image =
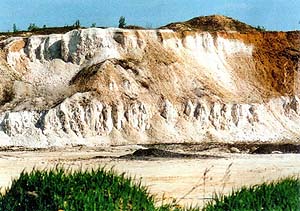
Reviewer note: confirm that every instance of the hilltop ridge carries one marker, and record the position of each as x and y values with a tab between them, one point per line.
212	23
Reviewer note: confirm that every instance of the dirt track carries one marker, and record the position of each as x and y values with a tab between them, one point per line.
175	178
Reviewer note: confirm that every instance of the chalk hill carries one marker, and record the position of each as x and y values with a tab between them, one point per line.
208	79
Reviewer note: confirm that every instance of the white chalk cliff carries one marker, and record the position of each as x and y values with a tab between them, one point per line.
123	86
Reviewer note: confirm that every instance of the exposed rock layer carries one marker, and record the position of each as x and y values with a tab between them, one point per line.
121	86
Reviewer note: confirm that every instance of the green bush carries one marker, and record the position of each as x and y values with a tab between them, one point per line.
32	27
261	28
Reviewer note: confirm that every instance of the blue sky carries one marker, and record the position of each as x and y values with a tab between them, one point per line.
272	14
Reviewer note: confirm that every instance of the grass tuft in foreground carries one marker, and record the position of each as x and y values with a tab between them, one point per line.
60	189
280	196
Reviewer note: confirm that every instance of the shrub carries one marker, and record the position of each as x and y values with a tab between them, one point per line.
261	28
32	27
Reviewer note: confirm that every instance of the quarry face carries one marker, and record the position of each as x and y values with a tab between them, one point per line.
210	86
123	86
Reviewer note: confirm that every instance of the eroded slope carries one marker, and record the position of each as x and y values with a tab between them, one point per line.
121	86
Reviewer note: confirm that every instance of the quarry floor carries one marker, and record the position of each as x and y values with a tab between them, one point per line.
187	180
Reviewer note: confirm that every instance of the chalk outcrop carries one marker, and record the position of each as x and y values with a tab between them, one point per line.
124	86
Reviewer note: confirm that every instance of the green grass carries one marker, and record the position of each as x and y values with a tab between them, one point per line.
60	189
75	191
283	195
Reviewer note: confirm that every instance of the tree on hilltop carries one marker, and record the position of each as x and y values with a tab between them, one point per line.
122	22
32	27
15	28
77	24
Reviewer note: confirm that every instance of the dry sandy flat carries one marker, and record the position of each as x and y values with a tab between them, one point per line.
175	178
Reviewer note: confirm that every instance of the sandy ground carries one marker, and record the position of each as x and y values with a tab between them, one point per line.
189	181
